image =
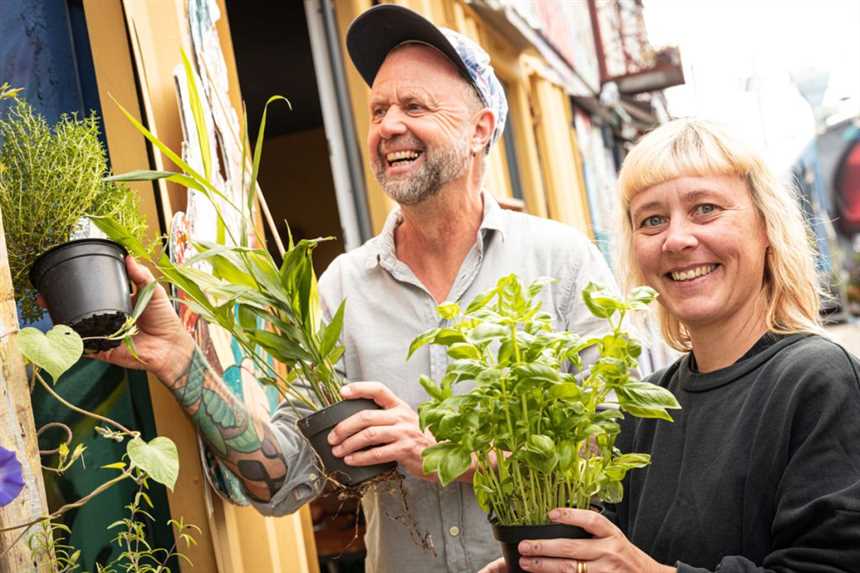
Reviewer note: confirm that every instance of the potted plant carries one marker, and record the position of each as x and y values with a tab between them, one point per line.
50	178
271	310
540	437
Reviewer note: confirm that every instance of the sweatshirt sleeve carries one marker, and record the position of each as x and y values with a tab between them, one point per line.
816	525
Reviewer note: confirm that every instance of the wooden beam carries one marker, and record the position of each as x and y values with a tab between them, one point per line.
18	434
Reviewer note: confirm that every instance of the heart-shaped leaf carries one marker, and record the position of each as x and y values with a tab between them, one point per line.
55	352
158	458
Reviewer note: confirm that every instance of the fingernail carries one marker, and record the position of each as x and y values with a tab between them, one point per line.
347	459
336	451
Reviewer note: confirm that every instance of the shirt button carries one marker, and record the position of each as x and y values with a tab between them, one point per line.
454	531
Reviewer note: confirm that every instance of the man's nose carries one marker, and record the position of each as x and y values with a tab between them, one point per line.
679	236
392	123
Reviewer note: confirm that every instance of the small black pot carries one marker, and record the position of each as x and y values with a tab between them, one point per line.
511	535
85	286
316	428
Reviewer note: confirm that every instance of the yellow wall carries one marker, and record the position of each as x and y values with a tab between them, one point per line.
233	539
544	137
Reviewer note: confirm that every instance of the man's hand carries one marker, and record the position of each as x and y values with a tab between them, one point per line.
378	436
163	344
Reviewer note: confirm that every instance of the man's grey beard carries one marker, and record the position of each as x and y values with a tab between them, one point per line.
438	168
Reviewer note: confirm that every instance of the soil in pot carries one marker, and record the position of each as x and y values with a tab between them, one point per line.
85	286
316	428
510	536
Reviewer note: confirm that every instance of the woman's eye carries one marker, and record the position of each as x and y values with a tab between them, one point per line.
706	208
652	221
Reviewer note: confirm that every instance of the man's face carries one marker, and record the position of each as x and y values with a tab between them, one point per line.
420	128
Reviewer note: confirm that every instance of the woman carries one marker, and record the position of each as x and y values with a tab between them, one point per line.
760	470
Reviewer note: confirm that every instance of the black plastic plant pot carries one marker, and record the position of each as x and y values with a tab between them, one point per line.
510	536
85	286
316	428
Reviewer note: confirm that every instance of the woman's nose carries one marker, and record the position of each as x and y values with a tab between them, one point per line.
679	236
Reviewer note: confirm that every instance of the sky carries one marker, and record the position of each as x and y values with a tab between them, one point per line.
742	59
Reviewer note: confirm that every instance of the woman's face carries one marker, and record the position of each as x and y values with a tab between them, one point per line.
700	243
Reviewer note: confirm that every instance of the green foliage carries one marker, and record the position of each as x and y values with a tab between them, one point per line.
137	555
49	179
47	544
56	351
270	310
158	458
541	437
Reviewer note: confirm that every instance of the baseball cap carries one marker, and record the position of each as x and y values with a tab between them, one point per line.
384	27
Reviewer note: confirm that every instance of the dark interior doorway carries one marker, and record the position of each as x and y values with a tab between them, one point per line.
273	56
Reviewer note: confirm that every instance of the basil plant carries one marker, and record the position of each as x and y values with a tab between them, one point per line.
540	435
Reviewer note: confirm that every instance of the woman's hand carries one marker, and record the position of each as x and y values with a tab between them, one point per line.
497	566
608	551
162	343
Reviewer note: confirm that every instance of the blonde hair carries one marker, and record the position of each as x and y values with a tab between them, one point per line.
689	147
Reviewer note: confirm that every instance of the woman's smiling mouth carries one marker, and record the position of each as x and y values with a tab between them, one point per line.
693	273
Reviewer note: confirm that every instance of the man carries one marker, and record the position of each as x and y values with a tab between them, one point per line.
436	110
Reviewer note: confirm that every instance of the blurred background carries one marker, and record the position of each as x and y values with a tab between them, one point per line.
786	76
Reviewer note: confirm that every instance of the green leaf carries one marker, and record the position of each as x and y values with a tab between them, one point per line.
421	340
646	400
448	336
159	459
332	331
640	297
448	310
448	461
464	350
481	301
430	387
54	352
143	297
599	302
141	175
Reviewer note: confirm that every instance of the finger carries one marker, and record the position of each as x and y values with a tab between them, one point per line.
138	273
549	565
584	549
368	437
591	521
497	566
375	391
359	421
389	453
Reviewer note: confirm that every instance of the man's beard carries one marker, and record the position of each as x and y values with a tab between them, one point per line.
439	166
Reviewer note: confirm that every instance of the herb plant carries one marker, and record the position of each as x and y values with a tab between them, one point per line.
540	436
270	309
50	178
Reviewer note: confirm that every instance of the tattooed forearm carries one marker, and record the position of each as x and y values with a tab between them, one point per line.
246	445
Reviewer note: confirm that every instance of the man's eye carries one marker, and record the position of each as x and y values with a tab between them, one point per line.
378	112
652	221
414	107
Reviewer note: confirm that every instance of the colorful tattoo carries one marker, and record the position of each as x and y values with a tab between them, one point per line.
248	447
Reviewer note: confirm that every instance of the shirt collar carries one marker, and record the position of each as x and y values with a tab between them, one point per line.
382	246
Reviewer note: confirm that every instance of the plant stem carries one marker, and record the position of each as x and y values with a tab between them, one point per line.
83	412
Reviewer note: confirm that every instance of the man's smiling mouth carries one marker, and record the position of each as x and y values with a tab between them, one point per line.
401	157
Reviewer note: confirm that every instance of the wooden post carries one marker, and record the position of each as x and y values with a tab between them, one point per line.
17	433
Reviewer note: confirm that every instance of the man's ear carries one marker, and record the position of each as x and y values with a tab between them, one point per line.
485	124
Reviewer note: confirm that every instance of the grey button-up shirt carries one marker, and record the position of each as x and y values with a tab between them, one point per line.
387	307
